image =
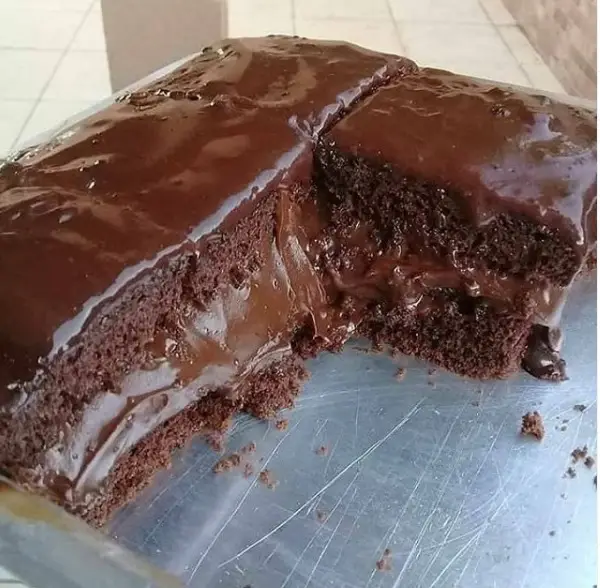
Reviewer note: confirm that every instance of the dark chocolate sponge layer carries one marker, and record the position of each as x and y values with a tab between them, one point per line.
169	261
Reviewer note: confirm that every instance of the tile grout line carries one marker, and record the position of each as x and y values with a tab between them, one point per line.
51	77
504	42
396	27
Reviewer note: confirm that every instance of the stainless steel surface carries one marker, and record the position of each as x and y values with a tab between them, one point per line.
432	468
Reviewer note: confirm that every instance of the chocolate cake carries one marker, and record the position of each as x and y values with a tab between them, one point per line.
173	258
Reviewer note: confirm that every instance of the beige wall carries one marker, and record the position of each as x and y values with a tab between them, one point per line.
145	35
564	33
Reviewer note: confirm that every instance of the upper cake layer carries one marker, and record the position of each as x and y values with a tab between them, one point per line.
85	214
494	150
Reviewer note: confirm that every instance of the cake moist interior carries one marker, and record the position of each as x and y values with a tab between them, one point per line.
174	259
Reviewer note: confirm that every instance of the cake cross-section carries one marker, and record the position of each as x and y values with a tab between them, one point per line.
174	258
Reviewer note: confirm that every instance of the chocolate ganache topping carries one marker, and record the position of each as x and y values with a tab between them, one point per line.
85	214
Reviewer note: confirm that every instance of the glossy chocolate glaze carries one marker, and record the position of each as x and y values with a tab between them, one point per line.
503	150
89	213
85	214
543	359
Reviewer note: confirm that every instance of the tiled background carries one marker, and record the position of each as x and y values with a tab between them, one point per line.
53	58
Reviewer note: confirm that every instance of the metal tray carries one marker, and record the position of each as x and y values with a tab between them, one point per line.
432	468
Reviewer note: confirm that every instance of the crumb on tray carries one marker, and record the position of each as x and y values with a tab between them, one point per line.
533	425
281	425
385	563
266	477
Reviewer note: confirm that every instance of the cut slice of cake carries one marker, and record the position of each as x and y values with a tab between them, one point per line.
172	259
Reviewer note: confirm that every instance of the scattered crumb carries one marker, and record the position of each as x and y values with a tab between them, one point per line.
565	421
431	383
250	448
579	407
578	454
596	481
321	516
570	473
552	533
385	563
400	374
432	371
589	462
248	470
532	424
216	441
227	463
266	477
562	428
281	425
563	496
376	348
323	450
476	403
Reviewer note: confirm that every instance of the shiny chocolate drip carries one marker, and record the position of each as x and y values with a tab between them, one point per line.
542	358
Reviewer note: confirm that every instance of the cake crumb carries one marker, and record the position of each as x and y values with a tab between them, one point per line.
589	462
570	473
227	463
400	374
266	477
533	425
385	563
323	450
579	407
282	425
552	533
250	448
321	516
248	470
216	441
579	454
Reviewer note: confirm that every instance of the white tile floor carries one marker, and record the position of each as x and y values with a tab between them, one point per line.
53	55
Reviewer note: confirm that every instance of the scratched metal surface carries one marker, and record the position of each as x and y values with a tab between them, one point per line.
436	473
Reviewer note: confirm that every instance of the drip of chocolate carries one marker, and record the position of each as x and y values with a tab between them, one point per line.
542	358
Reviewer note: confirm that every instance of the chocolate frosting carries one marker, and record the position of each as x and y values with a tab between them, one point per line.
502	149
89	213
85	214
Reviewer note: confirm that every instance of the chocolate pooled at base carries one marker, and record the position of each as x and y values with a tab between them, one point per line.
169	261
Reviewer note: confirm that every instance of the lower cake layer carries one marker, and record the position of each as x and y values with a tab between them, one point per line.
461	335
262	395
